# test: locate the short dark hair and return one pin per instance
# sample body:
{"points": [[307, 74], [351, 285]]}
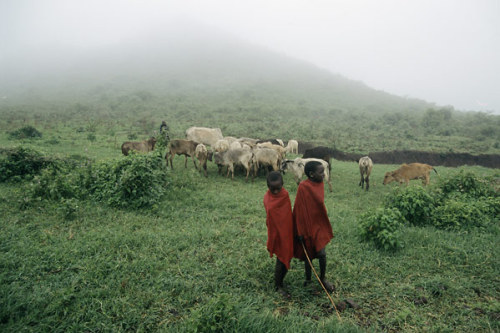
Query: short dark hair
{"points": [[274, 176], [311, 166]]}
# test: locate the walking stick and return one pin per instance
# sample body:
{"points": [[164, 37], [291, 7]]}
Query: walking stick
{"points": [[321, 283]]}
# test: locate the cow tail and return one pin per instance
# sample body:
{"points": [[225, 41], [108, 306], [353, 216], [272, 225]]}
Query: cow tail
{"points": [[435, 171]]}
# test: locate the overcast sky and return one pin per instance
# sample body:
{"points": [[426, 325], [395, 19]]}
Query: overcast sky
{"points": [[442, 51]]}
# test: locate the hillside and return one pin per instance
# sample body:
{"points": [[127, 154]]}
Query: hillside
{"points": [[206, 78]]}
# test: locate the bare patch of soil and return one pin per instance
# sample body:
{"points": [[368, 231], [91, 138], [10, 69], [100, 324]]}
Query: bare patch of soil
{"points": [[411, 156]]}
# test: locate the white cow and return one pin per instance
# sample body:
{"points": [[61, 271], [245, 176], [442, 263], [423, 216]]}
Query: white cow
{"points": [[292, 147], [297, 165], [205, 135]]}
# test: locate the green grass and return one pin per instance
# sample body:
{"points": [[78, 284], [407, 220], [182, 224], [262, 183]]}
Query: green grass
{"points": [[200, 262]]}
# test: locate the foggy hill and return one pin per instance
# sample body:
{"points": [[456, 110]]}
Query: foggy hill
{"points": [[193, 62]]}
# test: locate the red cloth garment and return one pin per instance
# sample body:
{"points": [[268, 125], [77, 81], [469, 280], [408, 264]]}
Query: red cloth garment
{"points": [[279, 225], [310, 219]]}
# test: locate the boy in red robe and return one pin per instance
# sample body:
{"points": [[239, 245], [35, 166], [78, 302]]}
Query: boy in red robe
{"points": [[279, 228], [311, 221]]}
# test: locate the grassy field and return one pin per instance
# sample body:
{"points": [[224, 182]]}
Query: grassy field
{"points": [[198, 261]]}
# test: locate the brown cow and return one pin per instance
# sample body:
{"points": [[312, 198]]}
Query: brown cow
{"points": [[181, 147], [142, 146], [365, 169], [406, 172]]}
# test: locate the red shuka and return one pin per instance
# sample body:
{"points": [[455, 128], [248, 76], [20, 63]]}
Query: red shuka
{"points": [[279, 225], [310, 219]]}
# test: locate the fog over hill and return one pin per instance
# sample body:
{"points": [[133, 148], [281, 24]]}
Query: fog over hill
{"points": [[194, 60]]}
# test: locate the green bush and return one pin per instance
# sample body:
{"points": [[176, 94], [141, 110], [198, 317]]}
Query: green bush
{"points": [[414, 203], [26, 132], [466, 183], [21, 163], [137, 181], [383, 228], [461, 213], [58, 182]]}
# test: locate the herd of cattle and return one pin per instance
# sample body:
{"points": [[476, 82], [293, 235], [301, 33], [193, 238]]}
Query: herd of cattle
{"points": [[253, 155]]}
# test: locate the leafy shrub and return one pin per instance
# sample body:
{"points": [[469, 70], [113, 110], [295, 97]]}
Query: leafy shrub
{"points": [[414, 203], [382, 228], [20, 163], [26, 132], [137, 181], [466, 183], [491, 206], [461, 213], [57, 182]]}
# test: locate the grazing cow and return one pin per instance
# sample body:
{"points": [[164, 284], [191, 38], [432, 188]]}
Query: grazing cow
{"points": [[407, 172], [320, 152], [181, 147], [297, 165], [365, 169], [281, 151], [235, 156], [203, 154], [142, 146], [266, 157], [292, 147], [207, 136]]}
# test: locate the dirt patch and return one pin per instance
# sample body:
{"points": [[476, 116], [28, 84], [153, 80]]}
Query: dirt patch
{"points": [[411, 156]]}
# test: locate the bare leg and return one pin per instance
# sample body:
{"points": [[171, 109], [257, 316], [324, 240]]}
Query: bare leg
{"points": [[308, 272], [322, 270], [279, 274]]}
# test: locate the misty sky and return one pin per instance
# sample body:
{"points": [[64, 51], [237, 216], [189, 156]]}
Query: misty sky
{"points": [[442, 51]]}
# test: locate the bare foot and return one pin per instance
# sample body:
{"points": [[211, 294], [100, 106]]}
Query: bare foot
{"points": [[328, 286], [283, 292]]}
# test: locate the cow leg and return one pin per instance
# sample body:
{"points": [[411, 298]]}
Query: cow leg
{"points": [[196, 167], [171, 163], [248, 172], [361, 182], [185, 161], [205, 169], [367, 180]]}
